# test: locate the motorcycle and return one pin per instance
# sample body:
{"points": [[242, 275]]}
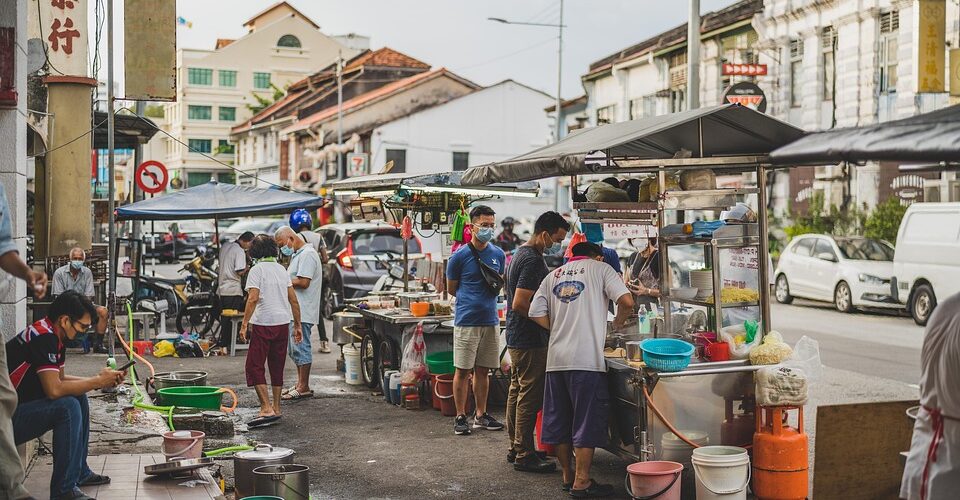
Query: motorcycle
{"points": [[201, 305]]}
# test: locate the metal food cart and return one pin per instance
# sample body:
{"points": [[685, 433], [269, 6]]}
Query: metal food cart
{"points": [[653, 413]]}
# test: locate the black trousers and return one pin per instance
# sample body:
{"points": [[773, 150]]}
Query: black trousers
{"points": [[237, 302]]}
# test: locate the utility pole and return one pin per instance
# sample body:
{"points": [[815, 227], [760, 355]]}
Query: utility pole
{"points": [[341, 167], [559, 74], [111, 190], [137, 160], [693, 56]]}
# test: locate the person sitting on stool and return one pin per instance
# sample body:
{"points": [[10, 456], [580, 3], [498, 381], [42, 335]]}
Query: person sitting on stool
{"points": [[79, 278], [233, 265]]}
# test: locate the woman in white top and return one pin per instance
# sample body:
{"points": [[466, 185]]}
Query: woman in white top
{"points": [[271, 304]]}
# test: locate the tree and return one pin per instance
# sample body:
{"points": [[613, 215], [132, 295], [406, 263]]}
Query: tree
{"points": [[884, 222], [153, 111], [263, 102]]}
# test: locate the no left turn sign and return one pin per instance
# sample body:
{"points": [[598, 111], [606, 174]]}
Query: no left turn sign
{"points": [[152, 177]]}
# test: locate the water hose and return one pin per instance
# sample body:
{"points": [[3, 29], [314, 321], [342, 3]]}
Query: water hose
{"points": [[138, 396], [229, 449]]}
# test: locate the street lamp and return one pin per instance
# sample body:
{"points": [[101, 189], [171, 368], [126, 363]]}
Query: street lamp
{"points": [[559, 27]]}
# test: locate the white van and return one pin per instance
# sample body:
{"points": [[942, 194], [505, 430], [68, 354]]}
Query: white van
{"points": [[926, 265]]}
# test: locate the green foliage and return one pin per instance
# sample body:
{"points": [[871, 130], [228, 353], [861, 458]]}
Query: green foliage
{"points": [[263, 102], [884, 222], [153, 111]]}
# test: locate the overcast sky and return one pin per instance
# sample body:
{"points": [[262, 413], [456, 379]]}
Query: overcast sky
{"points": [[456, 33]]}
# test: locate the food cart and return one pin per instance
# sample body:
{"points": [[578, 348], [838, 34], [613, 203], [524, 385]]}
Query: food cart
{"points": [[429, 201], [658, 415]]}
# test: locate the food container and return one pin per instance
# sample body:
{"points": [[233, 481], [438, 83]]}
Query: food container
{"points": [[420, 309], [407, 298], [345, 319], [633, 351], [245, 461], [288, 481]]}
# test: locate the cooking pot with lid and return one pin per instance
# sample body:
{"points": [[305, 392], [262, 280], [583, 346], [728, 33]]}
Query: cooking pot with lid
{"points": [[245, 461], [345, 319]]}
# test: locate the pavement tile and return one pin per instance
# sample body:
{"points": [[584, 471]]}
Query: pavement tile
{"points": [[129, 494]]}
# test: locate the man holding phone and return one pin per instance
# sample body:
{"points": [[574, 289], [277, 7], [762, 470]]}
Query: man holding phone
{"points": [[50, 400]]}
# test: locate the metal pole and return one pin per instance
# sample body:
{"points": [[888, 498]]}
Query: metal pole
{"points": [[559, 73], [341, 167], [111, 230], [764, 250], [693, 56], [137, 160]]}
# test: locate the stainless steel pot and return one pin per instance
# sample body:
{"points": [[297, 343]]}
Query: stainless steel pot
{"points": [[290, 482], [407, 298], [244, 462], [179, 379], [348, 319]]}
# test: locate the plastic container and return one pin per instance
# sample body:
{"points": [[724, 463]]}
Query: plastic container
{"points": [[411, 401], [207, 398], [654, 479], [395, 388], [143, 347], [182, 444], [385, 384], [351, 365], [443, 390], [420, 309], [435, 401], [440, 363], [677, 450], [666, 355], [722, 472], [717, 351]]}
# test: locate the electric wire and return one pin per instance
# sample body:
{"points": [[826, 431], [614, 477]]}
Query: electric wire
{"points": [[71, 141], [508, 55]]}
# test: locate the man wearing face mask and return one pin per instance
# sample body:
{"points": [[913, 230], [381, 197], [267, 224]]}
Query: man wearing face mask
{"points": [[475, 346], [527, 341], [304, 269], [78, 277]]}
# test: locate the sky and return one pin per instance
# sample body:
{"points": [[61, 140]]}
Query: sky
{"points": [[456, 34]]}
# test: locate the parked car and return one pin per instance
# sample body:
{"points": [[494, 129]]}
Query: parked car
{"points": [[259, 225], [851, 272], [925, 265], [167, 247], [360, 253]]}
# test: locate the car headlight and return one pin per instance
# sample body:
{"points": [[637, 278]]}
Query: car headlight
{"points": [[871, 280]]}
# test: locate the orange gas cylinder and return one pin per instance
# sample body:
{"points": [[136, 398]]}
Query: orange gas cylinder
{"points": [[780, 460]]}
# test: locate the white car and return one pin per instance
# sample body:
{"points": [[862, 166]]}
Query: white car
{"points": [[851, 272]]}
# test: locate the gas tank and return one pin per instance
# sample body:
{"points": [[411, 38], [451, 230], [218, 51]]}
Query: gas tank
{"points": [[780, 456]]}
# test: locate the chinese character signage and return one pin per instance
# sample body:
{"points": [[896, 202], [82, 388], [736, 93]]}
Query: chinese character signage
{"points": [[931, 42], [63, 28], [621, 231], [955, 72], [150, 50]]}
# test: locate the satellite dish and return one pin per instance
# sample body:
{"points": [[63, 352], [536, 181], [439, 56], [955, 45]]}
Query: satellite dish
{"points": [[36, 57]]}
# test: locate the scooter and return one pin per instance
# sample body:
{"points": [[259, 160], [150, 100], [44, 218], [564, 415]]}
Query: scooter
{"points": [[201, 303]]}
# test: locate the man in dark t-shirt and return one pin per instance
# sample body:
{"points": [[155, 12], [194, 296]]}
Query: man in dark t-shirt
{"points": [[527, 341], [48, 400]]}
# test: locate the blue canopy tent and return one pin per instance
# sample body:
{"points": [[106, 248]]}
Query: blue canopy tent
{"points": [[215, 200]]}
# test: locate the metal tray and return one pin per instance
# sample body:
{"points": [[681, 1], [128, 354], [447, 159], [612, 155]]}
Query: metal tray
{"points": [[178, 466]]}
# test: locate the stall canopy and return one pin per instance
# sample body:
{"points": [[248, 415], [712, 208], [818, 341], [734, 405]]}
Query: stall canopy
{"points": [[442, 182], [217, 200], [930, 137], [716, 131]]}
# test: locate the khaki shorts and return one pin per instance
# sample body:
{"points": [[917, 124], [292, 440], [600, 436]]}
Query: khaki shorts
{"points": [[475, 345]]}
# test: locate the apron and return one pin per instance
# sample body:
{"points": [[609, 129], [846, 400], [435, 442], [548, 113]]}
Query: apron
{"points": [[648, 280]]}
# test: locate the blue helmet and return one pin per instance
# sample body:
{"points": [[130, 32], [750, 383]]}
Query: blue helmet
{"points": [[299, 218]]}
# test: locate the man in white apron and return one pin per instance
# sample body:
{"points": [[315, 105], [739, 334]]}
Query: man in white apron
{"points": [[933, 466]]}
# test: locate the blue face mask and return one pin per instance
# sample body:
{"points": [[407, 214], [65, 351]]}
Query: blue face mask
{"points": [[485, 234], [286, 250], [553, 249], [76, 264]]}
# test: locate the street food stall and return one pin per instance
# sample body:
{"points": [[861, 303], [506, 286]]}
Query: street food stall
{"points": [[424, 205], [678, 159]]}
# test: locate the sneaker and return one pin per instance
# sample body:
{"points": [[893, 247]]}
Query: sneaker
{"points": [[533, 463], [487, 422], [511, 456], [460, 426], [324, 347]]}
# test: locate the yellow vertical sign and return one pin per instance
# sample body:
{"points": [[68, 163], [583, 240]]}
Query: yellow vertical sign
{"points": [[931, 42], [955, 72], [150, 50]]}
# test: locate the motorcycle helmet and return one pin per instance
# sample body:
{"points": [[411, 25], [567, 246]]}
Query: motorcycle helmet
{"points": [[299, 218], [508, 221]]}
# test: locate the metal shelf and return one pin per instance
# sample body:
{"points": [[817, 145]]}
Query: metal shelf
{"points": [[704, 303], [707, 199]]}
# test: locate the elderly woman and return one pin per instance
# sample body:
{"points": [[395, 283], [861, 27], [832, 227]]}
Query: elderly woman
{"points": [[271, 305]]}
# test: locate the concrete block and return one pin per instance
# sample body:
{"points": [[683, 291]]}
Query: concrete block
{"points": [[13, 319]]}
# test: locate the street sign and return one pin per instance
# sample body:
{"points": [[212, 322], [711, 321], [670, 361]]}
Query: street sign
{"points": [[746, 94], [358, 164], [743, 69], [152, 177]]}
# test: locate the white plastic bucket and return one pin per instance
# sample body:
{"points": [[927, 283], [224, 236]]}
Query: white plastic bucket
{"points": [[351, 363], [677, 450], [722, 472]]}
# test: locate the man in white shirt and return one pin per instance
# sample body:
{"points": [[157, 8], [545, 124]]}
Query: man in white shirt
{"points": [[233, 265], [301, 222], [304, 270], [572, 304]]}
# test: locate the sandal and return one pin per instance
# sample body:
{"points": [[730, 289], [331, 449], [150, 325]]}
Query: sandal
{"points": [[94, 480], [595, 490], [263, 421], [294, 395]]}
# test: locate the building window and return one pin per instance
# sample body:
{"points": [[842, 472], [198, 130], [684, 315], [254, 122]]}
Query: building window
{"points": [[227, 177], [739, 49], [228, 78], [198, 178], [399, 159], [828, 45], [643, 107], [606, 114], [199, 76], [678, 100], [889, 28], [796, 65], [195, 112], [225, 148], [460, 160], [199, 145], [289, 41], [228, 114], [261, 80]]}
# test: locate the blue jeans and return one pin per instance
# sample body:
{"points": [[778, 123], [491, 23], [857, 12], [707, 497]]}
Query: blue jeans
{"points": [[69, 419]]}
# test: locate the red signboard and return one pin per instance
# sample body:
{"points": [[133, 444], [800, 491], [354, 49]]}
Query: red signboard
{"points": [[152, 177], [743, 69]]}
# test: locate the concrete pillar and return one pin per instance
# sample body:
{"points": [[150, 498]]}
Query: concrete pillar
{"points": [[13, 167], [68, 205]]}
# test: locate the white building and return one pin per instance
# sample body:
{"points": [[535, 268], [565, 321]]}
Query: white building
{"points": [[490, 124], [215, 87]]}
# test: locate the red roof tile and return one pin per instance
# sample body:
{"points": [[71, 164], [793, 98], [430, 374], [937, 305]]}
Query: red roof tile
{"points": [[223, 42]]}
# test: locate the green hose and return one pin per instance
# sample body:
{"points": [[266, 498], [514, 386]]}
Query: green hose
{"points": [[229, 449], [138, 397]]}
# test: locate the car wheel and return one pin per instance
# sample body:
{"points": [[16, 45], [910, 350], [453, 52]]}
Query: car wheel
{"points": [[782, 290], [368, 361], [922, 305], [842, 298]]}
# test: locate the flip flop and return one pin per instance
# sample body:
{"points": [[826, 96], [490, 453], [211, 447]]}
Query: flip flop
{"points": [[95, 480], [287, 390], [294, 395], [263, 421]]}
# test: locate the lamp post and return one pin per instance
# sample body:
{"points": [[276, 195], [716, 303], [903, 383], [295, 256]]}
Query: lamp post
{"points": [[559, 27]]}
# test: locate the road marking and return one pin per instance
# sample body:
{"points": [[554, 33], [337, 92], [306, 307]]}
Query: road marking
{"points": [[914, 386]]}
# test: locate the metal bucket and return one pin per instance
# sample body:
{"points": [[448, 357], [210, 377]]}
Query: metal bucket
{"points": [[345, 319], [289, 481]]}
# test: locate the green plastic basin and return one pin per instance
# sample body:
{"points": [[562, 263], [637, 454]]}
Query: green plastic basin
{"points": [[204, 397], [440, 363]]}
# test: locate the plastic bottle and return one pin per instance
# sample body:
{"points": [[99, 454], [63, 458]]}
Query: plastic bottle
{"points": [[643, 322]]}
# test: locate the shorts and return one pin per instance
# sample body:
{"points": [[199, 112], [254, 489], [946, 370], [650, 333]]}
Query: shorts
{"points": [[475, 346], [576, 409], [268, 346], [301, 354]]}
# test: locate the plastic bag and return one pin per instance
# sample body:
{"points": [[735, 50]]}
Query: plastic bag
{"points": [[736, 336], [652, 184], [781, 386], [412, 367], [773, 350], [457, 226], [691, 180], [574, 240], [163, 349], [603, 192], [806, 357]]}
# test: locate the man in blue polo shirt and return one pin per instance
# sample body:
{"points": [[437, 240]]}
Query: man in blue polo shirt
{"points": [[476, 324]]}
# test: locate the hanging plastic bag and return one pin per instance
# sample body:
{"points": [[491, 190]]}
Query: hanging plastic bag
{"points": [[457, 226], [736, 336], [574, 240], [806, 356], [412, 367], [773, 350], [163, 349]]}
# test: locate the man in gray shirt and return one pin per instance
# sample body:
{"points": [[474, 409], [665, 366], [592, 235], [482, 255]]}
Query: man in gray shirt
{"points": [[79, 278]]}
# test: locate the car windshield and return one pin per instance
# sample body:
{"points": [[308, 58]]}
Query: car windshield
{"points": [[255, 226], [381, 243], [865, 249]]}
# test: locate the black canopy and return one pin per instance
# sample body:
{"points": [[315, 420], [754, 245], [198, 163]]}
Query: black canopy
{"points": [[716, 131], [130, 130], [931, 137]]}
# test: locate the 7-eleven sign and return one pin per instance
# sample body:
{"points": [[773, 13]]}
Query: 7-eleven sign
{"points": [[358, 164], [746, 94]]}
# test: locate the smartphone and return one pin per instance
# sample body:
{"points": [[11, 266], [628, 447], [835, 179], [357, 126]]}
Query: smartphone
{"points": [[127, 365]]}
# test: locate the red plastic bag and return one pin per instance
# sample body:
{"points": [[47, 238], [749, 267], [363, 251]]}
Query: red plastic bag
{"points": [[574, 240], [412, 367]]}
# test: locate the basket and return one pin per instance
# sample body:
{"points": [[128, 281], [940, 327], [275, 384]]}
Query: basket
{"points": [[666, 355], [440, 363]]}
